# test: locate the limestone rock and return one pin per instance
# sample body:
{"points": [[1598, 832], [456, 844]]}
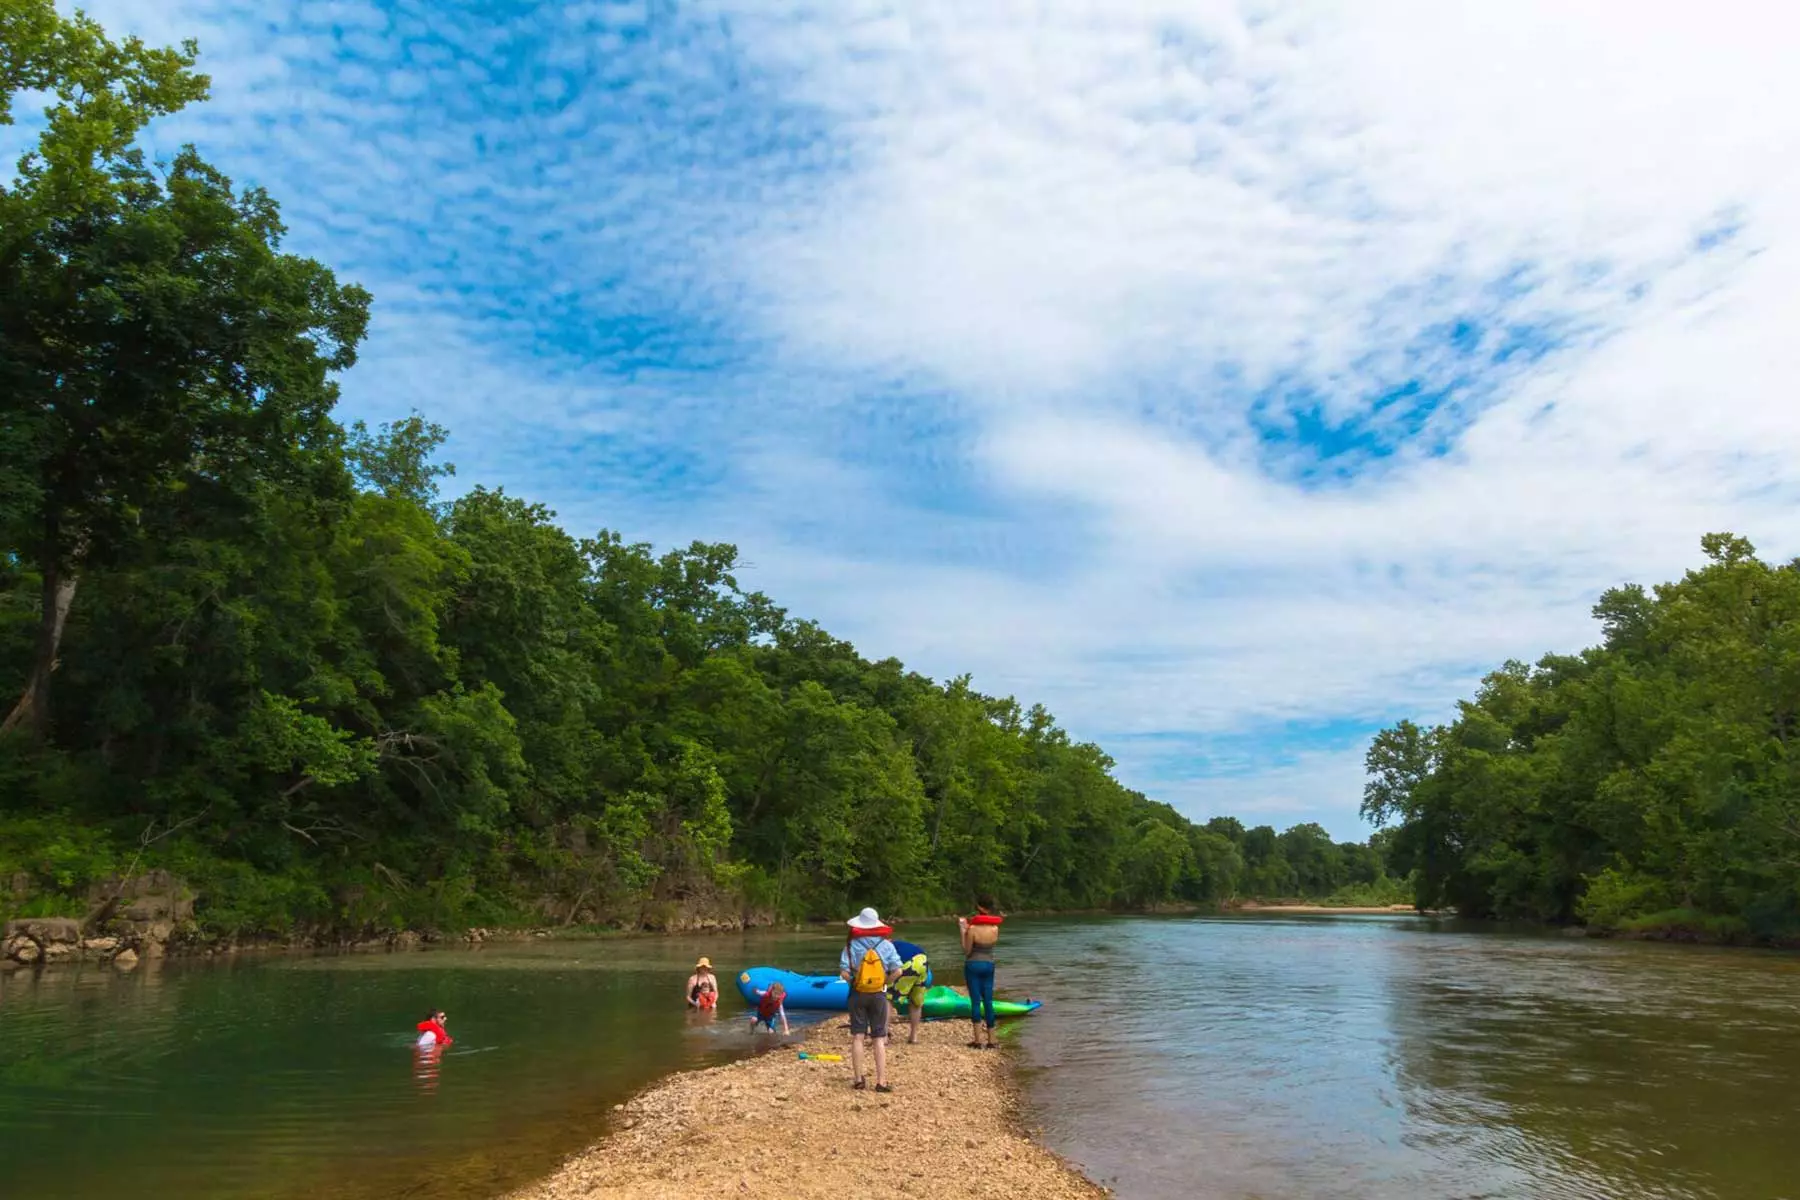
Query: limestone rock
{"points": [[100, 945], [149, 908], [45, 930], [126, 959], [60, 952], [20, 948]]}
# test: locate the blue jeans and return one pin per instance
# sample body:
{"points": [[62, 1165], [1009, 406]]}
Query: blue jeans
{"points": [[980, 974]]}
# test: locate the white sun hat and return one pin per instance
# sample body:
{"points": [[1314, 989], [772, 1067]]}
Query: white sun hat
{"points": [[868, 918]]}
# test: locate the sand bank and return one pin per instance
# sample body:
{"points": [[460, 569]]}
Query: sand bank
{"points": [[774, 1125]]}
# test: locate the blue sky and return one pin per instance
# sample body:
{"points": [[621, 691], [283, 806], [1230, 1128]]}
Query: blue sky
{"points": [[1233, 378]]}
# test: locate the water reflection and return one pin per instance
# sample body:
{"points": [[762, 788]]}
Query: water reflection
{"points": [[1309, 1059], [284, 1077], [426, 1060], [1343, 1057], [1603, 1069]]}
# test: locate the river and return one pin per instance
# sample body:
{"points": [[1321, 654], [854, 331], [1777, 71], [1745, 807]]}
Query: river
{"points": [[1315, 1057], [1230, 1058]]}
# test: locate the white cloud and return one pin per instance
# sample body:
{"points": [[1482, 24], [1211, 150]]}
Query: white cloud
{"points": [[1106, 235], [1056, 209], [1310, 785]]}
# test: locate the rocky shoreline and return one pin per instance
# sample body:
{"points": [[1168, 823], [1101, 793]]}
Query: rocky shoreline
{"points": [[129, 919], [49, 941], [152, 915], [778, 1126]]}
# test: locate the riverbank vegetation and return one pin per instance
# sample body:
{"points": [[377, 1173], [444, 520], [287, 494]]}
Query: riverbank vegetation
{"points": [[262, 650], [1650, 784]]}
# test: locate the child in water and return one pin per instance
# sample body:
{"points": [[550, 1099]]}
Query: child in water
{"points": [[769, 1007], [432, 1031]]}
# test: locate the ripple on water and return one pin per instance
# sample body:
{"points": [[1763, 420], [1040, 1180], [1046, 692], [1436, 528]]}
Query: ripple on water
{"points": [[1344, 1057], [298, 1077]]}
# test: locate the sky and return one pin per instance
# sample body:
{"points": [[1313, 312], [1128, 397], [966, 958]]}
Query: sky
{"points": [[1235, 379]]}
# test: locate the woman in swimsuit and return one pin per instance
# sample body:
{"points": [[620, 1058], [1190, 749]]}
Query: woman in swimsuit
{"points": [[979, 933], [703, 987]]}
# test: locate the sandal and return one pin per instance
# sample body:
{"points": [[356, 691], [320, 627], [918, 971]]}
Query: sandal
{"points": [[974, 1045], [860, 1084], [884, 1087]]}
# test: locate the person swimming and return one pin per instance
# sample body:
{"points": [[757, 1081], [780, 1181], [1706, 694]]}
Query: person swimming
{"points": [[432, 1031]]}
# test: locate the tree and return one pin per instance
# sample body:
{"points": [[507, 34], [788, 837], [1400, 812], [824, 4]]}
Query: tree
{"points": [[397, 461], [1648, 782], [154, 337], [1229, 828]]}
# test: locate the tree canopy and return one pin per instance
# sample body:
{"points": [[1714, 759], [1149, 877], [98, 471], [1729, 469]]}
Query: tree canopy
{"points": [[1649, 783]]}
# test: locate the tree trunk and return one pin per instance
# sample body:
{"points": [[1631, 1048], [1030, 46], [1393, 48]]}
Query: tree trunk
{"points": [[33, 708]]}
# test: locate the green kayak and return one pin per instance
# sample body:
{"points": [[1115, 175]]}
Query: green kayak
{"points": [[948, 1004]]}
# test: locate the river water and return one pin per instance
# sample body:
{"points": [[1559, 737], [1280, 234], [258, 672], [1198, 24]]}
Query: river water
{"points": [[1315, 1057], [1230, 1058], [296, 1076]]}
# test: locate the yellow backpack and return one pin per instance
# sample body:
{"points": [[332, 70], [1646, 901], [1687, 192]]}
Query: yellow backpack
{"points": [[871, 976]]}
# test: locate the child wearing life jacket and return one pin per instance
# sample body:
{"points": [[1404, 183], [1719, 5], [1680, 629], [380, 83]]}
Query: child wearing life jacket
{"points": [[432, 1031], [770, 1008], [908, 988]]}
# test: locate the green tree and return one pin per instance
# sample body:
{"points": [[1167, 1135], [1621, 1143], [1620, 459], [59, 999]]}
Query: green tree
{"points": [[1647, 782], [154, 338]]}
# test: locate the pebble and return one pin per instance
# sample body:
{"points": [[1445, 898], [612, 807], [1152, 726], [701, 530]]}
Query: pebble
{"points": [[695, 1129]]}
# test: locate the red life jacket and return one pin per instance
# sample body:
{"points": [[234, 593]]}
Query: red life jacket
{"points": [[985, 919], [436, 1030], [769, 1005]]}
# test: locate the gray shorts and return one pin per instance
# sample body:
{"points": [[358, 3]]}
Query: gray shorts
{"points": [[869, 1013]]}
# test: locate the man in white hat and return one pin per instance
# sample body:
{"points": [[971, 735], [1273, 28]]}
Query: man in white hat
{"points": [[869, 963]]}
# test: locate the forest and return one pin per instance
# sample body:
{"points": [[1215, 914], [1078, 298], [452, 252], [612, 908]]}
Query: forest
{"points": [[262, 649], [1650, 784]]}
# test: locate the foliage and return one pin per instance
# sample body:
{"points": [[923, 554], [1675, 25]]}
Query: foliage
{"points": [[155, 344], [1383, 892], [1650, 782]]}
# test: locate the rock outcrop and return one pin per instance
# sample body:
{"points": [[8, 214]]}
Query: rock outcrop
{"points": [[128, 919]]}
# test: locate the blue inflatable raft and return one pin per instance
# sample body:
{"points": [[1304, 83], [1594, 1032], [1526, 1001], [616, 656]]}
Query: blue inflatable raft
{"points": [[819, 992], [828, 993]]}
